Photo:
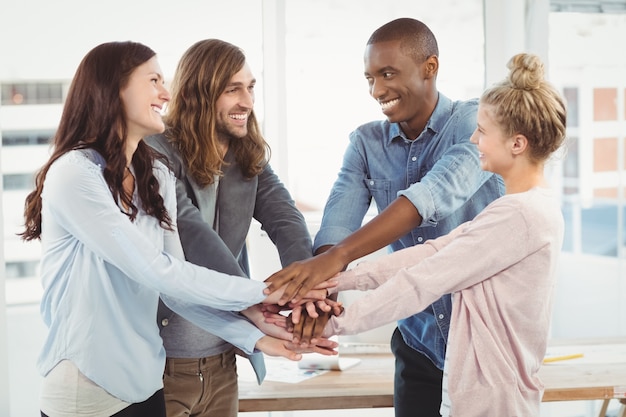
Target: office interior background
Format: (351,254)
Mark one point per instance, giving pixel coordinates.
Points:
(307,57)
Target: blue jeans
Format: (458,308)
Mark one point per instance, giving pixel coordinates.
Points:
(417,381)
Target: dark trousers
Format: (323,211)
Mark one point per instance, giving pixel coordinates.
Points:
(417,381)
(152,407)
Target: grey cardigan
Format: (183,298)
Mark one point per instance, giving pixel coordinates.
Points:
(239,199)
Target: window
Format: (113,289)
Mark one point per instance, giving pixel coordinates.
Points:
(26,138)
(18,181)
(31,93)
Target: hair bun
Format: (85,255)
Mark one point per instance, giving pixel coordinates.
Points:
(526,71)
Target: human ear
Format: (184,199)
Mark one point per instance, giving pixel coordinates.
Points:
(519,144)
(431,66)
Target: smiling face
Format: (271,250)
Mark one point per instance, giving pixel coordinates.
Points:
(143,99)
(235,104)
(403,88)
(494,148)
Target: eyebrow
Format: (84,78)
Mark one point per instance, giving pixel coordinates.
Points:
(157,74)
(239,83)
(381,70)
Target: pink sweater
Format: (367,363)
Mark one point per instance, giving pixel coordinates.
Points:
(501,269)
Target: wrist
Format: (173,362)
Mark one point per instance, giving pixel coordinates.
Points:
(339,256)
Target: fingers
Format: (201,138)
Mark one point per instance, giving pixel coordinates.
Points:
(327,343)
(308,329)
(337,310)
(271,308)
(322,350)
(296,328)
(294,291)
(276,347)
(276,319)
(296,314)
(299,348)
(321,305)
(286,276)
(291,355)
(329,283)
(311,309)
(335,307)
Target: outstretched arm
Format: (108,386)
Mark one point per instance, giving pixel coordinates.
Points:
(394,222)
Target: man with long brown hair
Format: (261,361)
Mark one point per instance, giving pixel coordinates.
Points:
(216,149)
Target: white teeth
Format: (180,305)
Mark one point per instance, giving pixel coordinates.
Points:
(239,116)
(386,105)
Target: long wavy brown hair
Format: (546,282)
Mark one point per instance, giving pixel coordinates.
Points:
(202,75)
(93,117)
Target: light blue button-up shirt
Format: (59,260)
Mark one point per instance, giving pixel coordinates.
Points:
(102,276)
(439,172)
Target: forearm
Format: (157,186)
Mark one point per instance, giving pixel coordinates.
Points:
(230,326)
(391,224)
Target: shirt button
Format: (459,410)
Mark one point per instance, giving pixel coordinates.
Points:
(371,182)
(165,322)
(419,239)
(441,317)
(414,159)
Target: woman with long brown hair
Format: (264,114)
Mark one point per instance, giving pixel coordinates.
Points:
(104,208)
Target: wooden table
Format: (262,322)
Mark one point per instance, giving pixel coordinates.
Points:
(366,385)
(600,375)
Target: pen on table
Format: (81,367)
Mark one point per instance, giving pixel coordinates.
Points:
(562,357)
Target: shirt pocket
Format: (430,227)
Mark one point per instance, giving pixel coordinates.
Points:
(380,190)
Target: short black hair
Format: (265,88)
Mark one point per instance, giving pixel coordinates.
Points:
(416,39)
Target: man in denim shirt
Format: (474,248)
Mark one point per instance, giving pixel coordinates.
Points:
(424,175)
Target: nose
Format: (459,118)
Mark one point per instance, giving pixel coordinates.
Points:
(247,99)
(474,137)
(377,89)
(165,94)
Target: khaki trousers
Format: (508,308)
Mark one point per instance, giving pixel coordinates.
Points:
(202,387)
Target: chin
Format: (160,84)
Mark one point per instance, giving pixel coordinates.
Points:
(392,119)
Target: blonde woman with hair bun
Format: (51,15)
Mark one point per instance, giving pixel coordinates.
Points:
(499,267)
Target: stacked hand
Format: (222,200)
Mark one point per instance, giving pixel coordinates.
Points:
(278,340)
(296,280)
(297,288)
(307,328)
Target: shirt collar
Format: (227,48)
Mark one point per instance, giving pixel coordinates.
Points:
(437,120)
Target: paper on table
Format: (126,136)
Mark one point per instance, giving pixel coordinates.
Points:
(313,361)
(278,370)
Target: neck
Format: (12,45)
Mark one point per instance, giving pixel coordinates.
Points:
(414,127)
(131,147)
(222,145)
(524,180)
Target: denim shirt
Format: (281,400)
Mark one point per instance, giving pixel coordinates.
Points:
(439,172)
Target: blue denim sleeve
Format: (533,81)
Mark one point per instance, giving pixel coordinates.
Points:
(455,176)
(349,199)
(448,185)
